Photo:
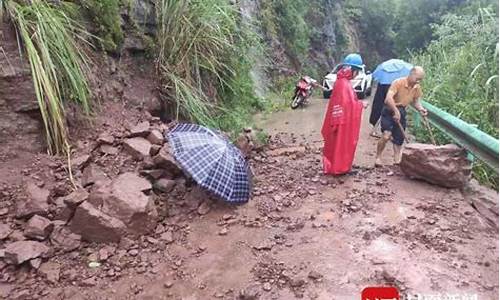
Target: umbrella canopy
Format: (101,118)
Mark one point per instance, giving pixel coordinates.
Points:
(212,161)
(390,70)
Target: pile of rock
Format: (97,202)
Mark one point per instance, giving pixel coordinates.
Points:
(103,209)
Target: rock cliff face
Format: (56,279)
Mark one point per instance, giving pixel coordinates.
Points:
(20,122)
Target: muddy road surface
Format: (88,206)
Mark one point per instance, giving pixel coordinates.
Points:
(302,236)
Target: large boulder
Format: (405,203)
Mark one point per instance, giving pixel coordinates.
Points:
(18,252)
(95,226)
(445,166)
(124,199)
(35,202)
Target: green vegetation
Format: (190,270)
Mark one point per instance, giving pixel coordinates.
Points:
(105,21)
(49,39)
(462,74)
(204,64)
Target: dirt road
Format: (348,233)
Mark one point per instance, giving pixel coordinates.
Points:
(303,235)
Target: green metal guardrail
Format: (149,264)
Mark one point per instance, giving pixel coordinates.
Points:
(480,144)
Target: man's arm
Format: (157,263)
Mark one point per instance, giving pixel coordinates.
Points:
(389,101)
(416,102)
(418,106)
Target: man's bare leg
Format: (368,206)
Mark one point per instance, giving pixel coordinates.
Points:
(375,129)
(381,146)
(398,153)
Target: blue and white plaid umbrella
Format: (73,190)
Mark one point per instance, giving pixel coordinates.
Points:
(390,70)
(212,161)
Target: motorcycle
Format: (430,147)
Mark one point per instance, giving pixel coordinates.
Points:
(303,91)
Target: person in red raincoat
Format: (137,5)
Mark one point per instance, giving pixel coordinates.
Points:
(342,120)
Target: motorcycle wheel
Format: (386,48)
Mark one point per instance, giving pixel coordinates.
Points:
(297,101)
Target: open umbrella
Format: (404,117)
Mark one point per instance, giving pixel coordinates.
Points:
(390,70)
(212,161)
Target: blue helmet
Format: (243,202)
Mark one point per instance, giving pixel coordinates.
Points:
(353,60)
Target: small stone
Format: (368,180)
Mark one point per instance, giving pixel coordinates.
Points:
(35,263)
(80,161)
(168,284)
(164,185)
(140,130)
(267,287)
(264,246)
(315,275)
(138,147)
(227,217)
(167,237)
(4,211)
(155,149)
(109,150)
(5,231)
(224,231)
(106,138)
(18,252)
(155,137)
(204,208)
(50,271)
(133,252)
(38,228)
(89,282)
(152,240)
(105,253)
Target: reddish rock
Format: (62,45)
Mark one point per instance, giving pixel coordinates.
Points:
(140,130)
(164,185)
(484,200)
(138,147)
(80,161)
(244,144)
(155,149)
(125,200)
(95,226)
(105,138)
(5,231)
(38,228)
(76,198)
(445,166)
(110,150)
(156,138)
(166,161)
(204,208)
(18,252)
(36,202)
(50,271)
(63,239)
(153,174)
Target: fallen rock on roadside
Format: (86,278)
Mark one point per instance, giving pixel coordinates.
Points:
(38,228)
(445,166)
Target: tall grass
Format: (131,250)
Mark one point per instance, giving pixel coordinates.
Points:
(49,40)
(462,75)
(195,39)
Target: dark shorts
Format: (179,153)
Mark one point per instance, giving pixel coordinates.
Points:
(387,123)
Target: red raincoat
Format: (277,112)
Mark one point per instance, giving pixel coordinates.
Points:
(341,126)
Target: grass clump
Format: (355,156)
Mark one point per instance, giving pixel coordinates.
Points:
(203,63)
(105,17)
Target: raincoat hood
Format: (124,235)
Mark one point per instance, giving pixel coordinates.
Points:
(345,73)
